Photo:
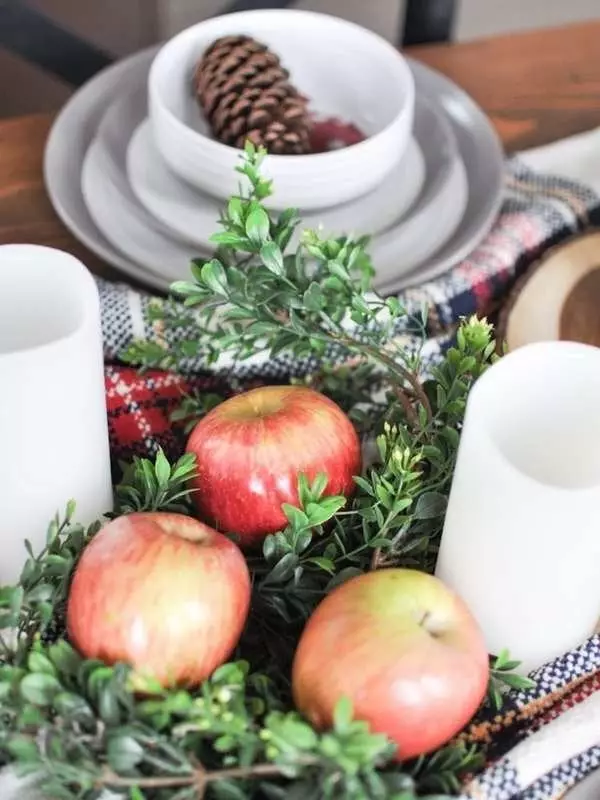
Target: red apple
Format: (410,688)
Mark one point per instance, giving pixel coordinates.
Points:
(162,592)
(251,449)
(403,648)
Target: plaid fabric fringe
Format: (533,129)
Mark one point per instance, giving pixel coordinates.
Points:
(523,761)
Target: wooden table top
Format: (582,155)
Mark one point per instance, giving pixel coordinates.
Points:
(536,87)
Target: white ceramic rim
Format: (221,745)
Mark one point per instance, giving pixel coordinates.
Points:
(96,242)
(104,219)
(151,201)
(335,157)
(450,202)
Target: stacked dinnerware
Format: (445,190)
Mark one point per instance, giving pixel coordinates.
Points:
(133,170)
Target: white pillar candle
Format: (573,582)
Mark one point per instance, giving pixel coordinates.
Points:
(521,540)
(53,424)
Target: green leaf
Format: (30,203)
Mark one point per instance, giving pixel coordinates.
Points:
(38,662)
(344,575)
(319,485)
(269,547)
(325,564)
(108,705)
(224,744)
(298,733)
(283,570)
(213,276)
(153,350)
(17,595)
(304,493)
(52,532)
(261,328)
(227,239)
(257,225)
(42,592)
(430,505)
(272,257)
(495,696)
(381,542)
(384,496)
(513,681)
(64,658)
(339,270)
(124,753)
(342,715)
(502,659)
(162,469)
(39,688)
(235,210)
(303,540)
(325,509)
(365,485)
(73,706)
(297,518)
(23,748)
(313,297)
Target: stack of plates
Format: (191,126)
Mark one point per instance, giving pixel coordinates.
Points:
(109,184)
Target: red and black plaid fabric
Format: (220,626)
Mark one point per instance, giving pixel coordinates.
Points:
(140,406)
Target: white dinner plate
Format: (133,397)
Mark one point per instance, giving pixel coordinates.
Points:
(193,216)
(68,142)
(483,157)
(77,124)
(438,211)
(115,209)
(127,224)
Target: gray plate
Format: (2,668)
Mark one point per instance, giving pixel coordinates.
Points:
(70,137)
(78,121)
(483,157)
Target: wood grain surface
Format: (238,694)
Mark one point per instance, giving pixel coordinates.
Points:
(536,87)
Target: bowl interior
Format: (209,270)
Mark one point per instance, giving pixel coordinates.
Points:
(345,70)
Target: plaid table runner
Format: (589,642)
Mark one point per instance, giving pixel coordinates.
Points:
(546,740)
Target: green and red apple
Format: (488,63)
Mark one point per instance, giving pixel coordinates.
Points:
(404,649)
(161,592)
(251,450)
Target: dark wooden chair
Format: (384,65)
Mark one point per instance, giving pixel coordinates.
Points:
(428,21)
(35,37)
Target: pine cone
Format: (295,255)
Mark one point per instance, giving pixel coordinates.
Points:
(245,93)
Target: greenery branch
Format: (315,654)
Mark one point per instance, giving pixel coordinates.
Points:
(85,727)
(82,727)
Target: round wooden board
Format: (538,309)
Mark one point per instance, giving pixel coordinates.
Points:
(558,297)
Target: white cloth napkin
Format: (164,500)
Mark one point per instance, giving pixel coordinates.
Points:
(576,158)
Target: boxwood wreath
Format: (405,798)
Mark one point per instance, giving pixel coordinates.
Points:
(77,724)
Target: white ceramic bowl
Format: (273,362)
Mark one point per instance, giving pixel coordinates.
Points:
(346,71)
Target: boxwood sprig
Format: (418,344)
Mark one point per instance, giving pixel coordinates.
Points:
(82,727)
(85,728)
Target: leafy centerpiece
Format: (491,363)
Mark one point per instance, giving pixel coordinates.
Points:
(95,727)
